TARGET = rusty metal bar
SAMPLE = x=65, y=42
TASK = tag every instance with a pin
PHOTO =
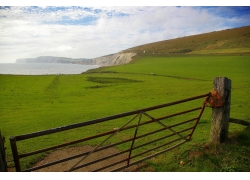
x=86, y=123
x=96, y=136
x=159, y=130
x=15, y=153
x=172, y=115
x=79, y=155
x=101, y=159
x=55, y=162
x=72, y=157
x=163, y=125
x=107, y=157
x=158, y=147
x=164, y=137
x=128, y=150
x=66, y=144
x=123, y=153
x=132, y=144
x=13, y=139
x=148, y=157
x=190, y=120
x=103, y=142
x=105, y=147
x=155, y=140
x=102, y=148
x=102, y=134
x=170, y=148
x=200, y=114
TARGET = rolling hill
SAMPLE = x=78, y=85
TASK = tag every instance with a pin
x=219, y=42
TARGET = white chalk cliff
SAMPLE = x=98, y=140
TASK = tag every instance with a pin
x=111, y=60
x=108, y=60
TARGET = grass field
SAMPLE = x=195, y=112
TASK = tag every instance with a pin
x=34, y=103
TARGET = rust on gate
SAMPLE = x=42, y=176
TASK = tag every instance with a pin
x=215, y=99
x=148, y=132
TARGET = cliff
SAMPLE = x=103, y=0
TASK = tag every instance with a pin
x=109, y=60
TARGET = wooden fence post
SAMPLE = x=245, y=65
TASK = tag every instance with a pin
x=221, y=115
x=3, y=164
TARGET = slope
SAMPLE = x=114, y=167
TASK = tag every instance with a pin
x=220, y=42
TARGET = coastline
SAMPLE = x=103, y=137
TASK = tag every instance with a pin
x=43, y=68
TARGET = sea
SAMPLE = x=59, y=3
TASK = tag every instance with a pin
x=43, y=68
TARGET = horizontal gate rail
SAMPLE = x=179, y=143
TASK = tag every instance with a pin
x=103, y=134
x=156, y=154
x=122, y=152
x=138, y=114
x=105, y=147
x=63, y=128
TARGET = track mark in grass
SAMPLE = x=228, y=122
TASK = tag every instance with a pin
x=107, y=80
x=95, y=87
x=162, y=75
x=176, y=77
x=53, y=85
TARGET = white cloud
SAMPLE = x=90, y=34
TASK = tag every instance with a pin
x=32, y=32
x=61, y=48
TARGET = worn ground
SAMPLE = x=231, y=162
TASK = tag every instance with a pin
x=65, y=166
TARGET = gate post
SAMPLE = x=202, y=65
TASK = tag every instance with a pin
x=3, y=164
x=221, y=115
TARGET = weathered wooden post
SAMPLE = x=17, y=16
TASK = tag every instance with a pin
x=3, y=164
x=221, y=114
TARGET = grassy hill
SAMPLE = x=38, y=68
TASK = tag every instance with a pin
x=220, y=42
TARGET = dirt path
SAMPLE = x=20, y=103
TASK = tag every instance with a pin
x=65, y=166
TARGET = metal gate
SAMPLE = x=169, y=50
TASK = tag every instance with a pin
x=142, y=134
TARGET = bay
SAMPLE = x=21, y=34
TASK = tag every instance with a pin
x=43, y=68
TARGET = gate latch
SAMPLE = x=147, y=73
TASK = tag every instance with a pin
x=215, y=99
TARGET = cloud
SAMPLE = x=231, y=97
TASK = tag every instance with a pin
x=60, y=48
x=89, y=32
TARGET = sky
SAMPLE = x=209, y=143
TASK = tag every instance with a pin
x=90, y=30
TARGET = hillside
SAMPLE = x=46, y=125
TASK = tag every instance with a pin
x=220, y=42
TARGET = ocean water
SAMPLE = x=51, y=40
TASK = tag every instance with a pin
x=43, y=68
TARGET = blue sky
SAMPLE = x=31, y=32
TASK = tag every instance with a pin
x=94, y=30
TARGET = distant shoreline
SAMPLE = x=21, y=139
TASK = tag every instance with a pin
x=44, y=68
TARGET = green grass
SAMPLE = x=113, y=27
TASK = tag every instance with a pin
x=34, y=103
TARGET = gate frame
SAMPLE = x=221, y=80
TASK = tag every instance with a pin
x=17, y=156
